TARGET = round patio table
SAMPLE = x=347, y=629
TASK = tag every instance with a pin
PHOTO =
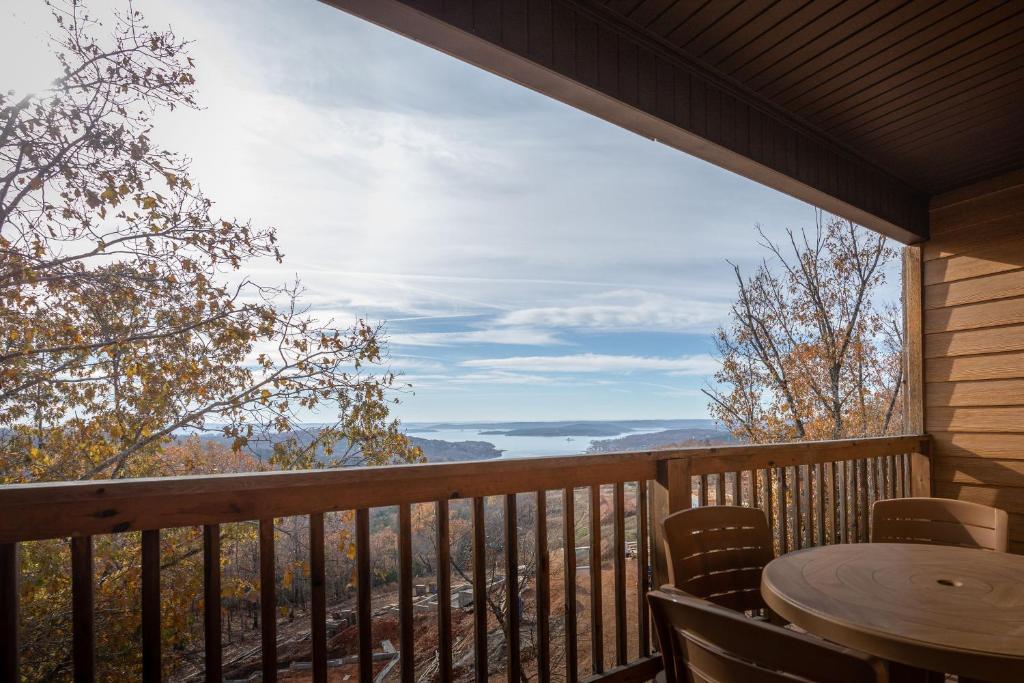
x=955, y=610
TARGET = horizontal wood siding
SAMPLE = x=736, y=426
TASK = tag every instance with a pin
x=974, y=346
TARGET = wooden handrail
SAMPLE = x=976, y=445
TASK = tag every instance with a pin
x=54, y=510
x=782, y=479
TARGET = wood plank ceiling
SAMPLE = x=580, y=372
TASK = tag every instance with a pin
x=931, y=91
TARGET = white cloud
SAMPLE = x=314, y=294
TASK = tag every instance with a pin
x=501, y=377
x=406, y=184
x=698, y=365
x=525, y=337
x=625, y=310
x=403, y=363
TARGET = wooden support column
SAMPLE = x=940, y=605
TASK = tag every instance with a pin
x=670, y=493
x=913, y=368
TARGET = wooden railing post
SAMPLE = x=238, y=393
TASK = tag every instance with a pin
x=444, y=595
x=82, y=627
x=211, y=603
x=10, y=572
x=150, y=558
x=671, y=493
x=913, y=365
x=921, y=471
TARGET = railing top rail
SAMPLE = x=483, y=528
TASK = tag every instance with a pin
x=54, y=510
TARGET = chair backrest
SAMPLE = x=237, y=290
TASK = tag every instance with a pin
x=705, y=643
x=939, y=521
x=718, y=553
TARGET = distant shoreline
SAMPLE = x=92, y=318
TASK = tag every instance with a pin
x=482, y=440
x=461, y=441
x=563, y=428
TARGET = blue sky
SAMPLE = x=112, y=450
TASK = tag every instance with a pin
x=530, y=260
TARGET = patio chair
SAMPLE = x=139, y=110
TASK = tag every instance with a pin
x=939, y=521
x=718, y=553
x=706, y=643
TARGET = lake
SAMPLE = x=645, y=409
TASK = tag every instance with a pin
x=520, y=446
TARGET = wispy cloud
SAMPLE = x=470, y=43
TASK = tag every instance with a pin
x=699, y=364
x=403, y=363
x=626, y=311
x=462, y=209
x=508, y=336
x=501, y=377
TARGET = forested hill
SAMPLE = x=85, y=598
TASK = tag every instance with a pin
x=435, y=450
x=669, y=438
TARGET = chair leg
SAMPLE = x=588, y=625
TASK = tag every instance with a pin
x=901, y=673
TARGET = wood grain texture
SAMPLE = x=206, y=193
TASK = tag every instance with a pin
x=1013, y=180
x=913, y=351
x=988, y=419
x=1009, y=498
x=996, y=392
x=982, y=209
x=993, y=366
x=922, y=481
x=949, y=609
x=970, y=236
x=986, y=288
x=974, y=342
x=982, y=471
x=994, y=255
x=976, y=316
x=671, y=492
x=999, y=446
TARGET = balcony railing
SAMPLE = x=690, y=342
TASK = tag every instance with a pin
x=813, y=493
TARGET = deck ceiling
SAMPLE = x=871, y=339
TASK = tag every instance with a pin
x=866, y=109
x=931, y=91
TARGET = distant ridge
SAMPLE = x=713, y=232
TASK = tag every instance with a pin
x=564, y=427
x=649, y=435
